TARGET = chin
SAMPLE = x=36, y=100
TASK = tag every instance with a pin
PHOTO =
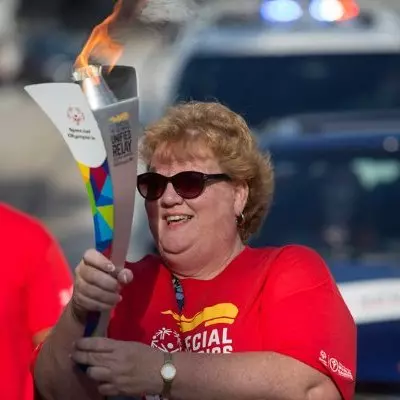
x=174, y=249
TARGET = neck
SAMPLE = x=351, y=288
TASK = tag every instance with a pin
x=200, y=268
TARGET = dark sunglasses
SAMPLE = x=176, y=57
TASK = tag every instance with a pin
x=188, y=184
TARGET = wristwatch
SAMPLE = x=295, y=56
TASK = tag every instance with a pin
x=168, y=373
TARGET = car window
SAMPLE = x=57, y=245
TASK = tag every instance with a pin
x=343, y=205
x=266, y=88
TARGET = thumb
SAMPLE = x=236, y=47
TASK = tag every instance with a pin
x=125, y=276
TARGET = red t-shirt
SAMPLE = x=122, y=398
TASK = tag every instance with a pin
x=35, y=285
x=282, y=300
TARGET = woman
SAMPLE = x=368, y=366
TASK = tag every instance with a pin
x=210, y=318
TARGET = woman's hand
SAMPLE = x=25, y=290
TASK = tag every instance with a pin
x=120, y=368
x=97, y=284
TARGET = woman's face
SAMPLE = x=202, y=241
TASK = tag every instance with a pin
x=208, y=222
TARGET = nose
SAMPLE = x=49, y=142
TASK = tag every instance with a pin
x=170, y=198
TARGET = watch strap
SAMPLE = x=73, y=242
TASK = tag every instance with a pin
x=166, y=392
x=167, y=357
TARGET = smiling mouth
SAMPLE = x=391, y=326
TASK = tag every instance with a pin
x=178, y=219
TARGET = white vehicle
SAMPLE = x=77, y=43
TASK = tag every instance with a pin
x=271, y=59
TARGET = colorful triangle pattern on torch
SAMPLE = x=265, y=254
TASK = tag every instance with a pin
x=99, y=189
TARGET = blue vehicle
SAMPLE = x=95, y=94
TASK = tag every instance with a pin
x=339, y=193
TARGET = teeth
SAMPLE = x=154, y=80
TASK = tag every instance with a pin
x=176, y=218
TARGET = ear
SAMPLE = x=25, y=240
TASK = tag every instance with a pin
x=241, y=196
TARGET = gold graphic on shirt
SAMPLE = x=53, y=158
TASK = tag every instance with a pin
x=223, y=313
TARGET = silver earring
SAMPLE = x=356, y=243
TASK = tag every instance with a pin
x=240, y=219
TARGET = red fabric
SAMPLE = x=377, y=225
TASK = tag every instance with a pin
x=275, y=299
x=36, y=283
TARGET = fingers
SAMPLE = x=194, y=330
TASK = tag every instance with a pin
x=89, y=358
x=99, y=374
x=95, y=344
x=98, y=260
x=96, y=293
x=108, y=389
x=92, y=276
x=125, y=276
x=94, y=351
x=83, y=302
x=98, y=283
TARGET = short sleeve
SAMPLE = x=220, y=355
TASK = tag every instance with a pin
x=49, y=285
x=305, y=317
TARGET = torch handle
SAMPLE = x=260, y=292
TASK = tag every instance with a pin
x=94, y=318
x=97, y=182
x=92, y=321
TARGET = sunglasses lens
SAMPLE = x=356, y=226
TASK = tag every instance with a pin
x=151, y=185
x=189, y=184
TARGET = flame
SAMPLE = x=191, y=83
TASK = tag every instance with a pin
x=103, y=47
x=100, y=45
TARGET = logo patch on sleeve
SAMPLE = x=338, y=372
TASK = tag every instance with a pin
x=335, y=366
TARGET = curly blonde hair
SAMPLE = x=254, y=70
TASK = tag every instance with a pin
x=178, y=134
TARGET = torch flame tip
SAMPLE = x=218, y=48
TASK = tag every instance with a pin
x=106, y=42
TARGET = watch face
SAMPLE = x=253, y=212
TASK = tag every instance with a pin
x=168, y=371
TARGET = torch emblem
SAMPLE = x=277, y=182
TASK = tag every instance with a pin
x=75, y=115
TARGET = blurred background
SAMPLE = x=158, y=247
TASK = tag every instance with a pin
x=319, y=84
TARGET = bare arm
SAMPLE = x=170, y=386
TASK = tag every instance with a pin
x=248, y=376
x=96, y=289
x=55, y=374
x=131, y=368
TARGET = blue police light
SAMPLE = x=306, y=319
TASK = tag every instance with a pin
x=280, y=10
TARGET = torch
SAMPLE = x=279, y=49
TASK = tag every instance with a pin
x=97, y=115
x=101, y=131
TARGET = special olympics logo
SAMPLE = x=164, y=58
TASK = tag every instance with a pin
x=75, y=115
x=167, y=340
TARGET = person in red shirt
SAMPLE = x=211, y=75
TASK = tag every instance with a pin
x=36, y=284
x=281, y=300
x=209, y=317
